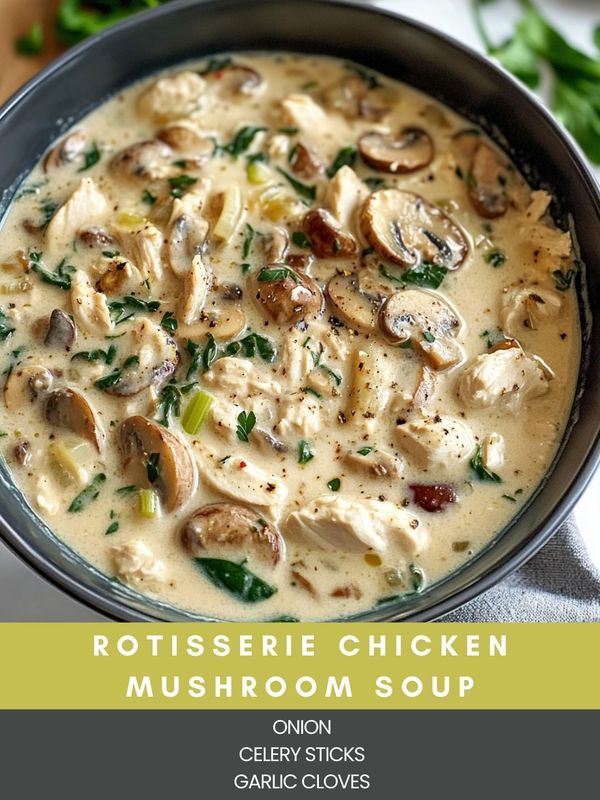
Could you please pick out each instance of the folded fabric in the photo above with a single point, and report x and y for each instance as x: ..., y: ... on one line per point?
x: 559, y: 584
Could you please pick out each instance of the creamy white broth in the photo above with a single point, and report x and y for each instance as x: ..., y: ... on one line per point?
x: 383, y: 543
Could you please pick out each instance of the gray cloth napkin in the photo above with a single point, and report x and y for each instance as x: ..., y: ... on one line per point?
x: 559, y: 584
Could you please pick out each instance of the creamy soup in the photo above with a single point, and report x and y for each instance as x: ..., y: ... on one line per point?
x: 281, y: 337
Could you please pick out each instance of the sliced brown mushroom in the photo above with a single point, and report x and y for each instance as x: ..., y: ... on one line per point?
x: 66, y: 151
x: 186, y: 234
x: 407, y: 229
x: 139, y: 439
x: 487, y: 180
x: 304, y: 162
x: 425, y: 319
x: 221, y: 526
x: 289, y: 297
x: 352, y: 305
x: 299, y: 261
x: 196, y: 286
x: 275, y: 245
x: 237, y: 78
x: 188, y: 141
x: 327, y: 237
x: 69, y: 409
x: 410, y: 150
x: 147, y: 160
x: 157, y: 360
x: 121, y: 278
x: 61, y: 330
x: 222, y: 323
x: 352, y: 98
x: 25, y: 384
x: 97, y: 238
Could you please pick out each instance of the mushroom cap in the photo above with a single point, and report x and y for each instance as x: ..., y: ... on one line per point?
x: 428, y: 321
x: 187, y: 139
x: 66, y: 151
x: 140, y: 437
x: 487, y: 180
x: 147, y: 160
x: 289, y: 299
x: 304, y: 162
x: 350, y: 303
x: 69, y: 409
x: 327, y: 237
x: 407, y: 229
x: 227, y: 525
x: 61, y: 331
x: 25, y: 384
x: 410, y: 150
x: 237, y: 78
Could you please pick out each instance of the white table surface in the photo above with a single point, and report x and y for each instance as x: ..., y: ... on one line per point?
x: 26, y: 597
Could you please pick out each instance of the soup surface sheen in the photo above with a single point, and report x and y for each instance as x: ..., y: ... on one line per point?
x: 281, y: 337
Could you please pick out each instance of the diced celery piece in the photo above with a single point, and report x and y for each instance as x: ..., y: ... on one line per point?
x: 196, y: 412
x: 148, y: 503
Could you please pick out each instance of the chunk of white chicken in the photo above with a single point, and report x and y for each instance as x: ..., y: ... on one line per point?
x: 172, y: 97
x: 345, y: 196
x: 527, y: 307
x: 543, y: 242
x: 143, y: 247
x: 301, y: 111
x: 240, y: 377
x: 196, y: 285
x: 350, y: 525
x: 492, y: 452
x: 507, y: 378
x: 297, y: 360
x: 300, y: 415
x: 85, y: 207
x: 137, y: 566
x: 90, y: 307
x: 120, y: 277
x: 441, y: 445
x: 237, y: 477
x: 376, y: 463
x: 188, y: 228
x: 370, y: 388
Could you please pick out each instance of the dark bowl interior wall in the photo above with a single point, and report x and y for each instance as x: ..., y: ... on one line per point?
x: 401, y: 49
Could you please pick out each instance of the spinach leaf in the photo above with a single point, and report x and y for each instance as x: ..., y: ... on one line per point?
x: 88, y: 495
x: 180, y: 183
x: 121, y: 310
x: 7, y: 326
x: 216, y: 65
x: 108, y: 356
x: 242, y: 140
x: 168, y: 404
x: 61, y: 277
x: 481, y: 471
x: 169, y: 322
x: 245, y: 424
x: 277, y: 274
x: 425, y: 275
x: 236, y: 579
x: 345, y: 157
x: 152, y: 467
x: 305, y: 452
x: 308, y: 192
x: 252, y: 344
x: 300, y: 239
x: 91, y: 157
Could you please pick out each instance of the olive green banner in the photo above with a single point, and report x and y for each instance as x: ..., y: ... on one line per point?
x: 299, y: 666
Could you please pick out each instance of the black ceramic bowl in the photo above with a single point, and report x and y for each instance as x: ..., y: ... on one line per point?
x: 410, y: 52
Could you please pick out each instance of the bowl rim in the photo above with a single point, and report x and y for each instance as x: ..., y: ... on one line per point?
x: 115, y: 609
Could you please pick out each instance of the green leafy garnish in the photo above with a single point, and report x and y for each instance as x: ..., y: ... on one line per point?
x: 148, y: 198
x: 152, y: 467
x: 210, y: 352
x: 61, y: 277
x: 496, y: 258
x: 300, y: 239
x: 305, y: 452
x: 248, y: 238
x: 245, y: 424
x: 121, y: 310
x: 77, y: 19
x: 108, y: 356
x: 367, y: 77
x: 195, y: 352
x: 168, y: 404
x: 242, y: 140
x: 425, y: 275
x: 113, y: 526
x: 345, y: 158
x: 482, y: 472
x: 563, y: 280
x: 429, y: 337
x: 32, y: 43
x: 125, y: 491
x: 216, y: 65
x: 7, y: 326
x: 417, y: 578
x: 303, y: 189
x: 364, y: 451
x: 180, y: 183
x: 277, y: 274
x: 169, y: 322
x: 334, y: 484
x: 252, y: 344
x: 236, y: 579
x: 288, y: 131
x: 88, y: 495
x: 91, y: 157
x: 48, y: 209
x: 335, y: 376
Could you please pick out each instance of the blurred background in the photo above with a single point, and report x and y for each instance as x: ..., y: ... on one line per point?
x: 29, y: 40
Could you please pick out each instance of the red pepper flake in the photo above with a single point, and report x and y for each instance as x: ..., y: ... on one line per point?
x: 243, y: 465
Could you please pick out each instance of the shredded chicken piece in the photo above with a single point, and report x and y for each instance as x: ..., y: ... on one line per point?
x: 300, y: 415
x: 172, y: 97
x: 143, y: 247
x: 90, y: 308
x: 492, y: 451
x: 240, y: 377
x: 527, y: 307
x: 442, y: 445
x: 136, y: 565
x: 86, y: 206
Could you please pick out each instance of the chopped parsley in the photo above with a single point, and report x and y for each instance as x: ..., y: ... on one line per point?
x: 305, y: 452
x: 481, y: 471
x: 245, y: 424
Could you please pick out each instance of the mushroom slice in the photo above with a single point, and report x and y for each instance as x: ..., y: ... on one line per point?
x: 226, y: 526
x: 188, y: 141
x: 351, y: 305
x: 196, y: 286
x: 305, y: 162
x: 526, y: 307
x: 86, y: 206
x: 97, y: 238
x: 157, y: 359
x: 67, y: 408
x: 61, y: 331
x: 442, y: 445
x: 507, y: 378
x: 145, y: 161
x: 407, y: 229
x: 410, y: 150
x: 327, y: 238
x: 25, y: 384
x: 223, y: 324
x: 428, y: 321
x: 231, y: 212
x: 350, y: 96
x: 121, y: 278
x: 172, y: 96
x: 287, y: 296
x: 352, y: 525
x: 487, y: 181
x: 237, y: 78
x: 188, y: 229
x: 242, y: 481
x: 90, y: 308
x: 276, y: 245
x: 66, y: 151
x: 140, y: 438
